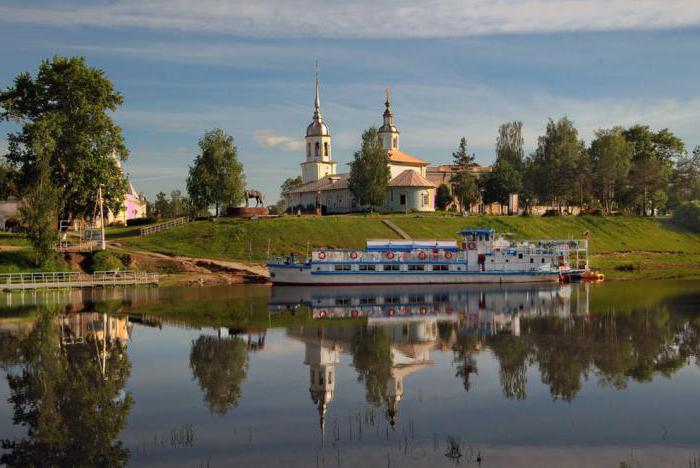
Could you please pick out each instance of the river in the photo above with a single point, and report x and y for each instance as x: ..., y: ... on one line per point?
x: 574, y: 375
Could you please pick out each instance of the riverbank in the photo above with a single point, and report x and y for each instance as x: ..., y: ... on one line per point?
x: 233, y: 250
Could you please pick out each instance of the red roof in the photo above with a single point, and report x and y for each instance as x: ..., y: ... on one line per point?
x: 396, y: 156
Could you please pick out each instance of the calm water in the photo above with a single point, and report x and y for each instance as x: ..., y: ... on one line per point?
x: 579, y: 375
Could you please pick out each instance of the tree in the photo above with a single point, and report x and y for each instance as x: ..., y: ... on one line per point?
x: 220, y: 366
x: 178, y: 204
x: 371, y: 357
x: 555, y: 162
x: 443, y: 197
x: 503, y: 180
x: 686, y: 178
x: 69, y: 103
x: 291, y: 183
x: 466, y: 188
x: 39, y: 209
x: 216, y: 178
x: 369, y: 172
x: 652, y: 163
x: 509, y: 144
x: 611, y: 158
x: 161, y: 205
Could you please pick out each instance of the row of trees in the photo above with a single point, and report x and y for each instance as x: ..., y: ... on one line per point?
x: 635, y: 170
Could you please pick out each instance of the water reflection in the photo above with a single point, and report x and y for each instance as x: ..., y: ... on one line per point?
x: 66, y: 381
x: 67, y: 368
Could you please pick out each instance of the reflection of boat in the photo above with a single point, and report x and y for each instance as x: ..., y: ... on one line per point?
x: 445, y: 302
x: 483, y: 257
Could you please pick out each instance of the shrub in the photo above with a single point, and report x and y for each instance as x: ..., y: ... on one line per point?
x: 105, y: 260
x: 687, y: 215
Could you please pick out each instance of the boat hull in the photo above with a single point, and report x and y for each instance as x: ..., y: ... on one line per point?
x: 303, y: 275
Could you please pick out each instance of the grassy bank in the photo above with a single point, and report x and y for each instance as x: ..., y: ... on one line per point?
x: 623, y: 247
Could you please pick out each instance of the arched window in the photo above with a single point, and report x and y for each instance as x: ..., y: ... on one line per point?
x: 317, y: 149
x: 325, y: 148
x: 308, y: 149
x: 394, y: 143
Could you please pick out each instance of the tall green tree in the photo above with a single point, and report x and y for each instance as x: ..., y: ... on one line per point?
x: 369, y: 172
x: 652, y: 163
x: 611, y: 157
x: 69, y: 103
x: 464, y: 182
x: 443, y: 197
x: 685, y: 181
x: 555, y: 162
x: 216, y: 178
x: 162, y: 205
x: 503, y: 180
x: 509, y: 144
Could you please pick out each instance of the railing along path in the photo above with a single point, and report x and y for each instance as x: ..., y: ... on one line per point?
x: 145, y: 231
x: 63, y: 279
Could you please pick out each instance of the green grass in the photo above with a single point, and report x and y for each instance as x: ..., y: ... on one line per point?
x: 22, y: 261
x: 14, y: 239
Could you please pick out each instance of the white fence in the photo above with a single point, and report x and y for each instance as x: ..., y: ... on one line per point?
x: 145, y: 231
x: 65, y: 279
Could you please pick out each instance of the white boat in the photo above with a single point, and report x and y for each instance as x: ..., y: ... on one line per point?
x: 482, y: 257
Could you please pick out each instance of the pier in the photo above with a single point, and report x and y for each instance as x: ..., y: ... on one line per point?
x: 64, y: 279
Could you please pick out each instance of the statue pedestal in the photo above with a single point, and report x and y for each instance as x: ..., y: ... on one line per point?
x: 247, y: 212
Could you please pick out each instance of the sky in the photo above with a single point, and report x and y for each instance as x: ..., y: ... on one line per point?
x: 456, y: 68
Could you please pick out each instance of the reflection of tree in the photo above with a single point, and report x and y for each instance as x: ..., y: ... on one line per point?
x: 466, y: 347
x: 71, y: 411
x: 220, y: 366
x: 371, y: 357
x: 512, y: 353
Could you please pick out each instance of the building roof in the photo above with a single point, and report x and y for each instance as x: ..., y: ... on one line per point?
x: 399, y: 157
x: 453, y: 168
x: 410, y: 178
x: 331, y: 182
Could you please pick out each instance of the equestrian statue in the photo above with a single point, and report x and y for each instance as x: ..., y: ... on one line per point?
x: 257, y: 194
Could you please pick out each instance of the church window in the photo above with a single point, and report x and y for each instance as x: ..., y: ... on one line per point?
x: 394, y: 143
x: 402, y: 199
x: 317, y: 149
x: 308, y: 149
x: 425, y: 199
x: 330, y: 377
x: 320, y: 378
x: 325, y: 148
x: 311, y: 374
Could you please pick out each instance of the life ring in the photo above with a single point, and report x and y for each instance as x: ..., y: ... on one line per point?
x: 423, y: 310
x: 422, y: 255
x: 389, y: 255
x: 322, y: 314
x: 355, y: 313
x: 392, y: 312
x: 448, y: 309
x: 448, y: 255
x: 322, y: 255
x: 471, y: 246
x: 353, y: 255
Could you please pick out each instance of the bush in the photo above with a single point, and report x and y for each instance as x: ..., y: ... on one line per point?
x: 105, y: 260
x: 687, y: 215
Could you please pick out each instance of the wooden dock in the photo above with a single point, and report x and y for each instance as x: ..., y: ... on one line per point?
x: 64, y: 279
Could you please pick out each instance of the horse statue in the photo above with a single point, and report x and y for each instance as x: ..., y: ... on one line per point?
x: 257, y: 194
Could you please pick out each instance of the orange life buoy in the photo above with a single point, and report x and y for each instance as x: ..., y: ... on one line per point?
x: 392, y: 312
x: 389, y: 255
x: 471, y: 246
x: 322, y: 255
x: 422, y: 255
x: 423, y: 310
x: 355, y: 313
x: 448, y: 255
x: 353, y: 255
x: 322, y: 314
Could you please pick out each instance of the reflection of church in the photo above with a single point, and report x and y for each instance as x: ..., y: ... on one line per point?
x: 412, y: 319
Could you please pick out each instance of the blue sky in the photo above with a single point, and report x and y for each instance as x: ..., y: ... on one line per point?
x: 456, y: 67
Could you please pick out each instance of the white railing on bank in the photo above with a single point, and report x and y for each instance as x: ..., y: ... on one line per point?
x: 70, y: 279
x: 145, y: 231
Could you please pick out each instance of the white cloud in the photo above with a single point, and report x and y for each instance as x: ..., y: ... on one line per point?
x: 363, y: 18
x: 269, y: 139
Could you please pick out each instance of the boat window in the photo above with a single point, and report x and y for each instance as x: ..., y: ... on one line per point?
x: 392, y: 300
x: 520, y: 255
x: 416, y: 299
x: 342, y: 301
x: 391, y: 268
x: 367, y: 267
x: 441, y: 298
x: 368, y: 300
x: 543, y: 260
x: 532, y: 260
x: 441, y: 267
x: 341, y: 267
x: 416, y: 267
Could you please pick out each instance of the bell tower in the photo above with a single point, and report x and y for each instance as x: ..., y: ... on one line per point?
x: 318, y: 163
x: 388, y: 132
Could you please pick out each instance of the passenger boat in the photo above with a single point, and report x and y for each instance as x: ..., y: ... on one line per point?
x: 482, y: 257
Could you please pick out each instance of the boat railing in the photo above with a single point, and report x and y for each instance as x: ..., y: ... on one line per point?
x: 388, y: 256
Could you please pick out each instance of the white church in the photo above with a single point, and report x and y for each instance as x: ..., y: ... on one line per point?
x: 326, y: 190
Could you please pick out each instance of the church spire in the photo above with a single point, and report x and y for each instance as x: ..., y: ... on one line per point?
x: 388, y: 131
x: 317, y: 100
